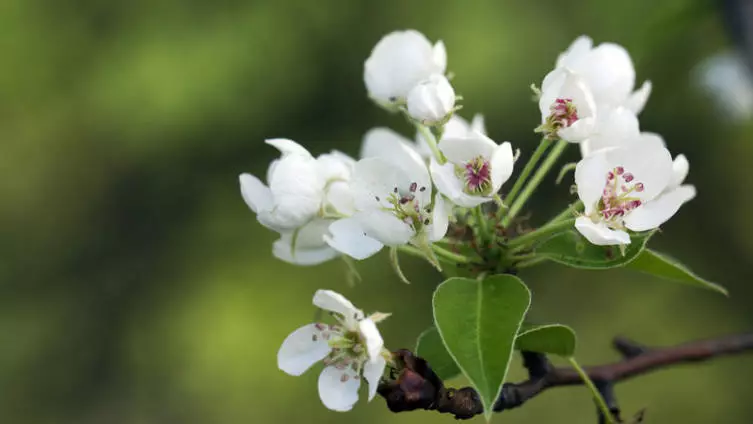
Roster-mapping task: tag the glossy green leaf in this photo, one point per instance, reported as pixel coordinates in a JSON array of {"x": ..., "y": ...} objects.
[
  {"x": 478, "y": 322},
  {"x": 430, "y": 347},
  {"x": 660, "y": 265},
  {"x": 556, "y": 339},
  {"x": 572, "y": 249}
]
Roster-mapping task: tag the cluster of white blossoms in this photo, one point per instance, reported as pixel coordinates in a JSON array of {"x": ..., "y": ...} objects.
[
  {"x": 400, "y": 191},
  {"x": 627, "y": 179},
  {"x": 403, "y": 192}
]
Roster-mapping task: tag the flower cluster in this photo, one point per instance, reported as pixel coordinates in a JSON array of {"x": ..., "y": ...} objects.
[
  {"x": 406, "y": 192},
  {"x": 400, "y": 191},
  {"x": 627, "y": 179}
]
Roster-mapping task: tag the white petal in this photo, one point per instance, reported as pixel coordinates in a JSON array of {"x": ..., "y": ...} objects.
[
  {"x": 649, "y": 164},
  {"x": 614, "y": 128},
  {"x": 462, "y": 149},
  {"x": 451, "y": 186},
  {"x": 372, "y": 371},
  {"x": 565, "y": 84},
  {"x": 298, "y": 190},
  {"x": 336, "y": 394},
  {"x": 340, "y": 197},
  {"x": 578, "y": 131},
  {"x": 439, "y": 54},
  {"x": 590, "y": 178},
  {"x": 431, "y": 100},
  {"x": 455, "y": 127},
  {"x": 288, "y": 147},
  {"x": 335, "y": 165},
  {"x": 652, "y": 139},
  {"x": 680, "y": 169},
  {"x": 576, "y": 52},
  {"x": 385, "y": 227},
  {"x": 255, "y": 193},
  {"x": 656, "y": 212},
  {"x": 501, "y": 164},
  {"x": 609, "y": 72},
  {"x": 301, "y": 349},
  {"x": 375, "y": 179},
  {"x": 477, "y": 124},
  {"x": 637, "y": 101},
  {"x": 311, "y": 249},
  {"x": 398, "y": 62},
  {"x": 335, "y": 302},
  {"x": 349, "y": 238},
  {"x": 281, "y": 249},
  {"x": 373, "y": 339},
  {"x": 382, "y": 142},
  {"x": 599, "y": 234},
  {"x": 440, "y": 221}
]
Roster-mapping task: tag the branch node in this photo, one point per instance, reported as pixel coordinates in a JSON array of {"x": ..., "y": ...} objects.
[{"x": 628, "y": 348}]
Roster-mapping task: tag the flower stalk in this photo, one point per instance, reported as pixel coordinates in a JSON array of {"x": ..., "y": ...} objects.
[{"x": 550, "y": 160}]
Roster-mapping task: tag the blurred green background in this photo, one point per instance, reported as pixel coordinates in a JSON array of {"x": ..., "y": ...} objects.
[{"x": 137, "y": 287}]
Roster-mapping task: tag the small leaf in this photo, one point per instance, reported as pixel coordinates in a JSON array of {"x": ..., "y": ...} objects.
[
  {"x": 556, "y": 339},
  {"x": 430, "y": 347},
  {"x": 478, "y": 322},
  {"x": 571, "y": 249},
  {"x": 660, "y": 265}
]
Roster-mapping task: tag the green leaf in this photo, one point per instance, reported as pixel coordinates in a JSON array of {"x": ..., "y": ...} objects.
[
  {"x": 478, "y": 322},
  {"x": 660, "y": 265},
  {"x": 571, "y": 249},
  {"x": 430, "y": 347},
  {"x": 556, "y": 339}
]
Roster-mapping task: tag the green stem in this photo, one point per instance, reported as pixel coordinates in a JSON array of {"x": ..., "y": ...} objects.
[
  {"x": 431, "y": 141},
  {"x": 543, "y": 145},
  {"x": 609, "y": 419},
  {"x": 545, "y": 231},
  {"x": 451, "y": 256},
  {"x": 550, "y": 160},
  {"x": 481, "y": 224},
  {"x": 568, "y": 212}
]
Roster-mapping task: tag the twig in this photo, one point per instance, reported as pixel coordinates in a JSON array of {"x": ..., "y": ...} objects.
[{"x": 418, "y": 387}]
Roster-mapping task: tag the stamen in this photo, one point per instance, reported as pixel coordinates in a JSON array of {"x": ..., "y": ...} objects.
[{"x": 413, "y": 187}]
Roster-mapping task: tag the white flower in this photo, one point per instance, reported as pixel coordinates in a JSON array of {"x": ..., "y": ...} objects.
[
  {"x": 295, "y": 192},
  {"x": 568, "y": 110},
  {"x": 393, "y": 200},
  {"x": 432, "y": 100},
  {"x": 608, "y": 71},
  {"x": 350, "y": 350},
  {"x": 398, "y": 62},
  {"x": 627, "y": 189},
  {"x": 476, "y": 169},
  {"x": 302, "y": 200}
]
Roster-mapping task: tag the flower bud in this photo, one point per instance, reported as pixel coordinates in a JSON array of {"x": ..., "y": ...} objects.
[{"x": 432, "y": 100}]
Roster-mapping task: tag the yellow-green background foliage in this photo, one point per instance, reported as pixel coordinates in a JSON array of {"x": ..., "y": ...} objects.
[{"x": 137, "y": 287}]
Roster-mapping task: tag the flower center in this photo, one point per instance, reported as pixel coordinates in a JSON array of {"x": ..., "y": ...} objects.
[
  {"x": 616, "y": 200},
  {"x": 476, "y": 175},
  {"x": 562, "y": 114},
  {"x": 348, "y": 349},
  {"x": 406, "y": 207}
]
